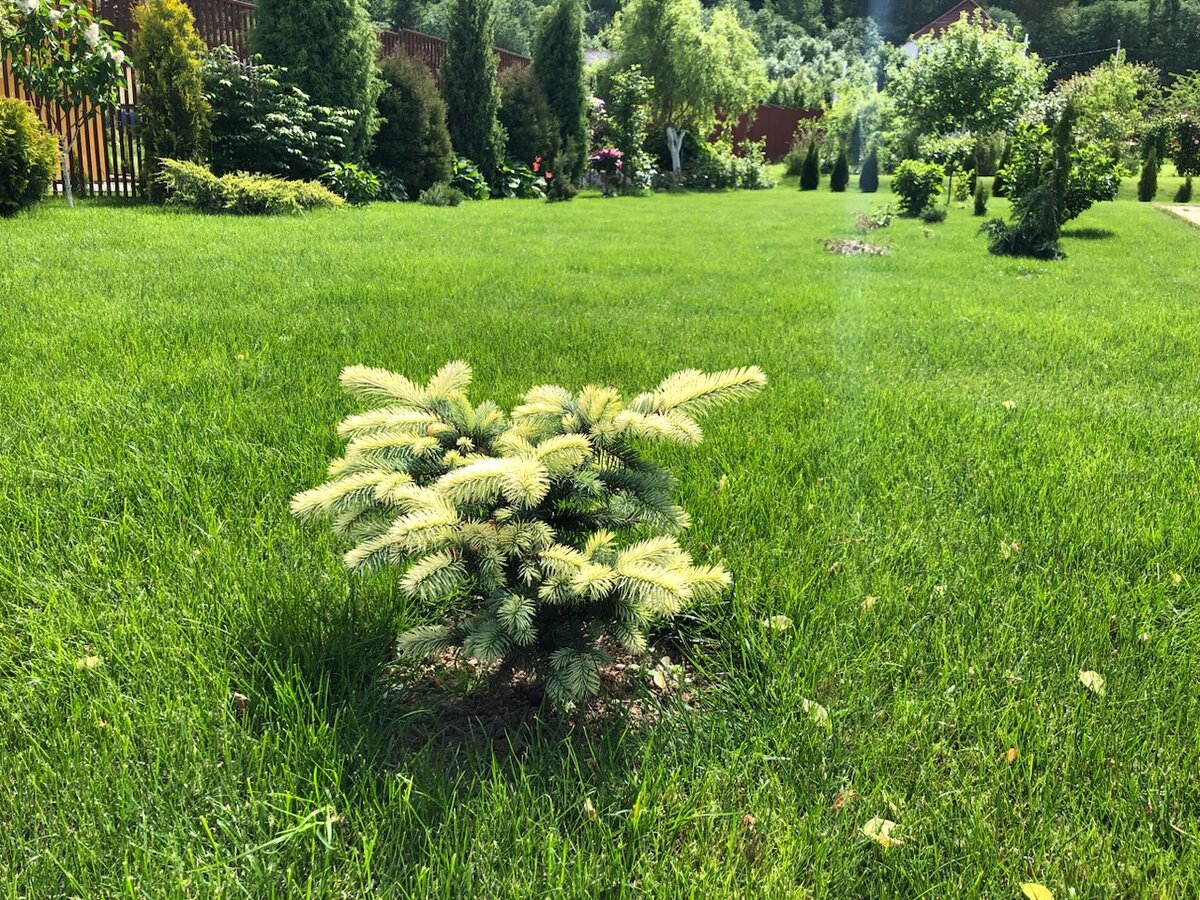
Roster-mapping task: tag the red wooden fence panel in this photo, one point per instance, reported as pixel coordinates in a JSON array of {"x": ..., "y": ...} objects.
[{"x": 775, "y": 124}]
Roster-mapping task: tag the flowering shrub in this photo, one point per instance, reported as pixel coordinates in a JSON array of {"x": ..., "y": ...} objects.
[
  {"x": 61, "y": 53},
  {"x": 545, "y": 534},
  {"x": 629, "y": 124},
  {"x": 28, "y": 157},
  {"x": 608, "y": 162},
  {"x": 557, "y": 190},
  {"x": 519, "y": 181}
]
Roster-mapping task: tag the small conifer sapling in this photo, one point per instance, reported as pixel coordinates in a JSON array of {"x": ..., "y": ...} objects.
[{"x": 545, "y": 533}]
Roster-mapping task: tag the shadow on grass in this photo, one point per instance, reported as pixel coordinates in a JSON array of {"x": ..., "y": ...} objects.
[{"x": 1089, "y": 234}]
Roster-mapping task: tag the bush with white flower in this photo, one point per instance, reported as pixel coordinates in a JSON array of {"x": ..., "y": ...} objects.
[{"x": 62, "y": 54}]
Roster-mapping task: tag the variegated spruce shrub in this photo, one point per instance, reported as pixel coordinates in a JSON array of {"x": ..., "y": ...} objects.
[{"x": 546, "y": 535}]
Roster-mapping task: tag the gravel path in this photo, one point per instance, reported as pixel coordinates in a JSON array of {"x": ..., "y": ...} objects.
[{"x": 1191, "y": 213}]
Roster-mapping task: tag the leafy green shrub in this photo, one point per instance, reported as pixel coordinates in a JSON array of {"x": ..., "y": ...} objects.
[
  {"x": 793, "y": 160},
  {"x": 532, "y": 129},
  {"x": 840, "y": 177},
  {"x": 28, "y": 157},
  {"x": 352, "y": 183},
  {"x": 329, "y": 49},
  {"x": 468, "y": 180},
  {"x": 918, "y": 184},
  {"x": 190, "y": 184},
  {"x": 1184, "y": 194},
  {"x": 546, "y": 535},
  {"x": 173, "y": 115},
  {"x": 933, "y": 214},
  {"x": 263, "y": 124},
  {"x": 391, "y": 188},
  {"x": 441, "y": 194},
  {"x": 559, "y": 190},
  {"x": 412, "y": 142},
  {"x": 878, "y": 217},
  {"x": 981, "y": 200},
  {"x": 868, "y": 178},
  {"x": 518, "y": 181},
  {"x": 999, "y": 183},
  {"x": 1185, "y": 144},
  {"x": 1148, "y": 182},
  {"x": 810, "y": 170}
]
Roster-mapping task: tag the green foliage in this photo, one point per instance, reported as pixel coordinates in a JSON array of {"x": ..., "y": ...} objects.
[
  {"x": 793, "y": 160},
  {"x": 1184, "y": 194},
  {"x": 810, "y": 170},
  {"x": 628, "y": 111},
  {"x": 1148, "y": 182},
  {"x": 533, "y": 131},
  {"x": 28, "y": 157},
  {"x": 517, "y": 181},
  {"x": 412, "y": 142},
  {"x": 328, "y": 48},
  {"x": 1040, "y": 204},
  {"x": 558, "y": 63},
  {"x": 471, "y": 88},
  {"x": 981, "y": 200},
  {"x": 933, "y": 214},
  {"x": 168, "y": 55},
  {"x": 190, "y": 184},
  {"x": 717, "y": 167},
  {"x": 546, "y": 533},
  {"x": 1185, "y": 143},
  {"x": 1184, "y": 96},
  {"x": 559, "y": 190},
  {"x": 968, "y": 79},
  {"x": 466, "y": 178},
  {"x": 441, "y": 194},
  {"x": 840, "y": 177},
  {"x": 1092, "y": 175},
  {"x": 698, "y": 71},
  {"x": 1113, "y": 104},
  {"x": 999, "y": 184},
  {"x": 868, "y": 178},
  {"x": 261, "y": 123},
  {"x": 354, "y": 184},
  {"x": 918, "y": 185},
  {"x": 66, "y": 56}
]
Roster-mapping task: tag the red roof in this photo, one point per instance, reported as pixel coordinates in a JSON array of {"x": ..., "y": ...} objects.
[{"x": 952, "y": 15}]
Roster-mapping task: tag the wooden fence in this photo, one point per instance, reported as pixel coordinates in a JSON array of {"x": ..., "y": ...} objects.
[
  {"x": 109, "y": 157},
  {"x": 775, "y": 125}
]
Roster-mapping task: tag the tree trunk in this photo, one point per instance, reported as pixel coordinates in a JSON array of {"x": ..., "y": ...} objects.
[
  {"x": 66, "y": 173},
  {"x": 675, "y": 145}
]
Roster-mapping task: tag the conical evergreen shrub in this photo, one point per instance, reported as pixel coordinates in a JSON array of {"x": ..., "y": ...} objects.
[
  {"x": 810, "y": 173},
  {"x": 840, "y": 177},
  {"x": 1148, "y": 183},
  {"x": 1184, "y": 194},
  {"x": 868, "y": 178}
]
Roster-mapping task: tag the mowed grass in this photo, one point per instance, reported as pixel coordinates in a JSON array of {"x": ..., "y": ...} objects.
[{"x": 169, "y": 381}]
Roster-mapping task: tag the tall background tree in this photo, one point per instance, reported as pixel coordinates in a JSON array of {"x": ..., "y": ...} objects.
[
  {"x": 558, "y": 64},
  {"x": 329, "y": 48},
  {"x": 698, "y": 71},
  {"x": 471, "y": 88},
  {"x": 173, "y": 115}
]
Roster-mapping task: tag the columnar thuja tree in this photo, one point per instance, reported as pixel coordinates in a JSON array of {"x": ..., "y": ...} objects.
[
  {"x": 545, "y": 533},
  {"x": 173, "y": 115},
  {"x": 62, "y": 54},
  {"x": 558, "y": 65},
  {"x": 700, "y": 73},
  {"x": 471, "y": 88}
]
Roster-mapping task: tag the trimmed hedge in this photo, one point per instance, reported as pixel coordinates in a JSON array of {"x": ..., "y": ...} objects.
[
  {"x": 412, "y": 143},
  {"x": 191, "y": 185}
]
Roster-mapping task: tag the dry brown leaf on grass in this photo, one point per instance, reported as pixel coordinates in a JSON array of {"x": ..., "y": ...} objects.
[
  {"x": 842, "y": 798},
  {"x": 1011, "y": 756},
  {"x": 589, "y": 809},
  {"x": 1093, "y": 681},
  {"x": 855, "y": 247},
  {"x": 880, "y": 830}
]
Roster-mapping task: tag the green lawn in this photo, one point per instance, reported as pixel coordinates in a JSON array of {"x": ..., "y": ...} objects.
[{"x": 169, "y": 381}]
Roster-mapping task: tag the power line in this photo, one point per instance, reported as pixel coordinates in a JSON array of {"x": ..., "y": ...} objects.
[{"x": 1083, "y": 53}]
